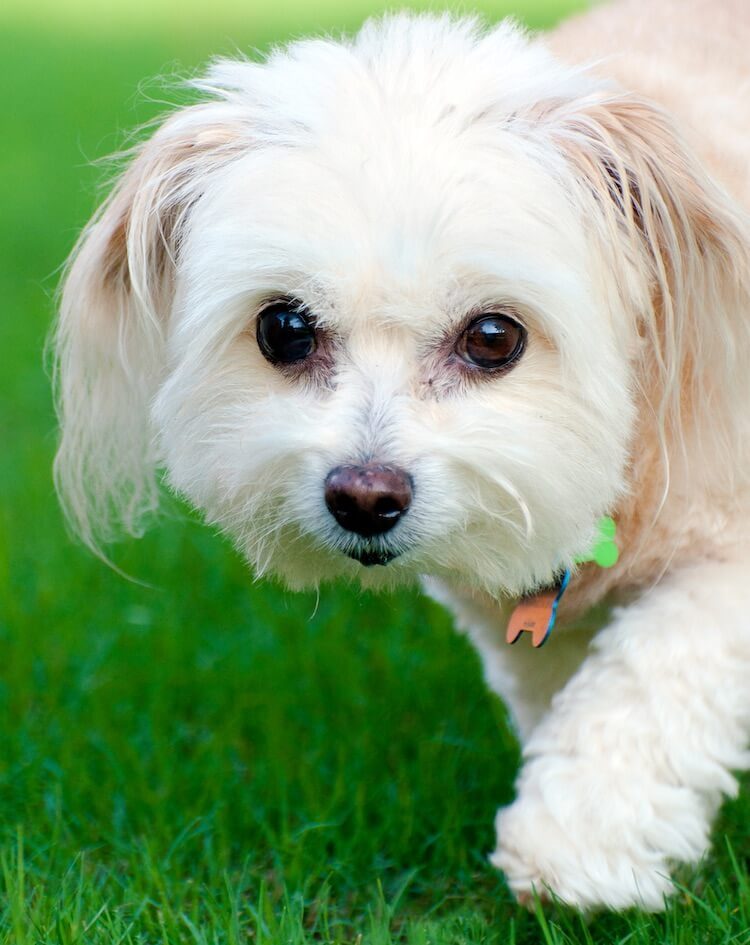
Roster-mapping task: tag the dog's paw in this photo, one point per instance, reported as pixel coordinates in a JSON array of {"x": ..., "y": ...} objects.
[
  {"x": 568, "y": 838},
  {"x": 540, "y": 857}
]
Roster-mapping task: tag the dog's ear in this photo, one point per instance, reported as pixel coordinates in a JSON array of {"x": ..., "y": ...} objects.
[
  {"x": 114, "y": 308},
  {"x": 690, "y": 247}
]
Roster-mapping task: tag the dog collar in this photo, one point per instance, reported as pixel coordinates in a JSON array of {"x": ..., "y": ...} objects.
[{"x": 535, "y": 613}]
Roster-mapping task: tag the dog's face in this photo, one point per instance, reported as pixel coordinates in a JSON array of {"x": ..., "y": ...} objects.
[
  {"x": 366, "y": 315},
  {"x": 399, "y": 298}
]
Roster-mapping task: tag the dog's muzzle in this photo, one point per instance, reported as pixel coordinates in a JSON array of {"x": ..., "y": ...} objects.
[{"x": 368, "y": 500}]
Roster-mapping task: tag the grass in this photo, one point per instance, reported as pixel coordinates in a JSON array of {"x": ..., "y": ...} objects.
[{"x": 206, "y": 760}]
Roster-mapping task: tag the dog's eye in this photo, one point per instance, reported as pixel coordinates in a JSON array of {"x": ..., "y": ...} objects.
[
  {"x": 286, "y": 332},
  {"x": 491, "y": 341}
]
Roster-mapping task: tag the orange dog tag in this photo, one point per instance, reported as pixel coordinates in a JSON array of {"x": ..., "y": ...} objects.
[{"x": 536, "y": 613}]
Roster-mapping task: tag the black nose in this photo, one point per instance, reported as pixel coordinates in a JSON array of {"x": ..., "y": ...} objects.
[{"x": 368, "y": 500}]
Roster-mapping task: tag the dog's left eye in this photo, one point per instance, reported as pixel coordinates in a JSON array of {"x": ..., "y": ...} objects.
[
  {"x": 286, "y": 332},
  {"x": 492, "y": 341}
]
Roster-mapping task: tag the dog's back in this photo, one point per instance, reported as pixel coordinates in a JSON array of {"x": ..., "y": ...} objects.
[{"x": 691, "y": 56}]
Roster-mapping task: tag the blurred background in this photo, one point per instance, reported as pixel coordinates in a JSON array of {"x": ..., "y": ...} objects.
[{"x": 197, "y": 757}]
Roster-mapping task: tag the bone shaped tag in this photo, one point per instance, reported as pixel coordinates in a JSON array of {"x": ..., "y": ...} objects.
[{"x": 536, "y": 613}]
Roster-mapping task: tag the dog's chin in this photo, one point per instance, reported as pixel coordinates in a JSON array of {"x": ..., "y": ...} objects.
[
  {"x": 304, "y": 558},
  {"x": 374, "y": 564}
]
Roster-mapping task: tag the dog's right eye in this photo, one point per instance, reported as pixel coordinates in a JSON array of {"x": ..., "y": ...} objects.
[{"x": 286, "y": 332}]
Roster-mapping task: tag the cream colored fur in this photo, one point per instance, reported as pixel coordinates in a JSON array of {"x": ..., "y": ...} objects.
[{"x": 596, "y": 183}]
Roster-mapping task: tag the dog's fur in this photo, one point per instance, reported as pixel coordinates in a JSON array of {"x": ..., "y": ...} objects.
[{"x": 427, "y": 169}]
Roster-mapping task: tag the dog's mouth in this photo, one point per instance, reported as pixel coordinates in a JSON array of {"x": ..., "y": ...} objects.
[{"x": 369, "y": 556}]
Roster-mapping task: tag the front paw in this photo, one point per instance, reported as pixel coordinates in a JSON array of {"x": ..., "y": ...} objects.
[{"x": 594, "y": 838}]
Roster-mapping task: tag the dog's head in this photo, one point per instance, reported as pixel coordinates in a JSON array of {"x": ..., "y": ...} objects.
[{"x": 388, "y": 302}]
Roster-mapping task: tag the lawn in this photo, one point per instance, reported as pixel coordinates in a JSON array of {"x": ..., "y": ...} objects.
[{"x": 198, "y": 758}]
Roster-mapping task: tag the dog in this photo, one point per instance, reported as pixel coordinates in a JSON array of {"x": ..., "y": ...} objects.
[{"x": 425, "y": 305}]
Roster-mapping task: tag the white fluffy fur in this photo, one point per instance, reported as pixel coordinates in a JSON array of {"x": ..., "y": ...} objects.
[{"x": 396, "y": 182}]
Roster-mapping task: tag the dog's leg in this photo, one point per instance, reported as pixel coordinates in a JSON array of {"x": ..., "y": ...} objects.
[
  {"x": 525, "y": 678},
  {"x": 626, "y": 771}
]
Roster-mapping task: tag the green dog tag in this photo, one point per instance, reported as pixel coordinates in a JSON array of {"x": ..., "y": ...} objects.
[{"x": 604, "y": 552}]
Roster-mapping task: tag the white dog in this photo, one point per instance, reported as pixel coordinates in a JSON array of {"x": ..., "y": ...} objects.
[{"x": 432, "y": 301}]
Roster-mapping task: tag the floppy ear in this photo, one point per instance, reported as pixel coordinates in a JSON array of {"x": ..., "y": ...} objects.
[
  {"x": 690, "y": 244},
  {"x": 115, "y": 302}
]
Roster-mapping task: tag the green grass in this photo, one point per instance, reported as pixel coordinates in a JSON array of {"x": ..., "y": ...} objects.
[{"x": 204, "y": 759}]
